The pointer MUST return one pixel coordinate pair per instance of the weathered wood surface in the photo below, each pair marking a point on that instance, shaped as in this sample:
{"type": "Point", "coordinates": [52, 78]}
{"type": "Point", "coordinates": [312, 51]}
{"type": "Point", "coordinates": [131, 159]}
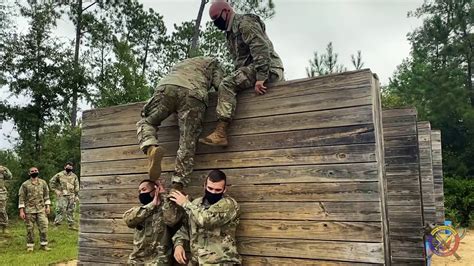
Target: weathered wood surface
{"type": "Point", "coordinates": [305, 162]}
{"type": "Point", "coordinates": [426, 172]}
{"type": "Point", "coordinates": [405, 207]}
{"type": "Point", "coordinates": [438, 175]}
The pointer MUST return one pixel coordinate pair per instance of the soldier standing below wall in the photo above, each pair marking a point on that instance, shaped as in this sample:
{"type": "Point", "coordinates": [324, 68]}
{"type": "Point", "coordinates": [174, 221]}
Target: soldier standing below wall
{"type": "Point", "coordinates": [213, 220]}
{"type": "Point", "coordinates": [183, 91]}
{"type": "Point", "coordinates": [5, 174]}
{"type": "Point", "coordinates": [256, 63]}
{"type": "Point", "coordinates": [65, 185]}
{"type": "Point", "coordinates": [34, 207]}
{"type": "Point", "coordinates": [154, 222]}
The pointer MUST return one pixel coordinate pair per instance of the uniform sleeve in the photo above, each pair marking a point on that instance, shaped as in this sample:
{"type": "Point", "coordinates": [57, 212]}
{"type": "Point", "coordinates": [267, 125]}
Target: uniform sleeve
{"type": "Point", "coordinates": [254, 36]}
{"type": "Point", "coordinates": [76, 186]}
{"type": "Point", "coordinates": [136, 215]}
{"type": "Point", "coordinates": [46, 193]}
{"type": "Point", "coordinates": [172, 213]}
{"type": "Point", "coordinates": [21, 197]}
{"type": "Point", "coordinates": [53, 182]}
{"type": "Point", "coordinates": [217, 75]}
{"type": "Point", "coordinates": [180, 238]}
{"type": "Point", "coordinates": [7, 174]}
{"type": "Point", "coordinates": [217, 215]}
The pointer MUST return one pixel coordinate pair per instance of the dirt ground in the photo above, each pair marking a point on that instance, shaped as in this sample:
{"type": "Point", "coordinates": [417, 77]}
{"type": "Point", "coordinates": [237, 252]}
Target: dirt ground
{"type": "Point", "coordinates": [69, 263]}
{"type": "Point", "coordinates": [465, 250]}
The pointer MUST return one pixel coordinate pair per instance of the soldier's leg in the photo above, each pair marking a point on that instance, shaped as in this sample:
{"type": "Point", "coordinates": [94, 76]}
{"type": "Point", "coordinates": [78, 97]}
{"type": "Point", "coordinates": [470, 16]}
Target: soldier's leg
{"type": "Point", "coordinates": [42, 223]}
{"type": "Point", "coordinates": [190, 118]}
{"type": "Point", "coordinates": [30, 221]}
{"type": "Point", "coordinates": [3, 212]}
{"type": "Point", "coordinates": [157, 109]}
{"type": "Point", "coordinates": [242, 78]}
{"type": "Point", "coordinates": [61, 206]}
{"type": "Point", "coordinates": [71, 204]}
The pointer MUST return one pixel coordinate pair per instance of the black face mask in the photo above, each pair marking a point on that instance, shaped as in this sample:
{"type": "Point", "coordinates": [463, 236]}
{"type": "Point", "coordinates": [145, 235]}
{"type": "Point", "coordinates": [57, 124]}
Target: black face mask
{"type": "Point", "coordinates": [145, 198]}
{"type": "Point", "coordinates": [34, 175]}
{"type": "Point", "coordinates": [220, 22]}
{"type": "Point", "coordinates": [68, 170]}
{"type": "Point", "coordinates": [212, 198]}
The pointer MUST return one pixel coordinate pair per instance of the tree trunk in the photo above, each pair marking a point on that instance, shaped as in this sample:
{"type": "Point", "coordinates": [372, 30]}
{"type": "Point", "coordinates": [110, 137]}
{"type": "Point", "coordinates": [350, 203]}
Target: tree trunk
{"type": "Point", "coordinates": [147, 44]}
{"type": "Point", "coordinates": [75, 90]}
{"type": "Point", "coordinates": [194, 42]}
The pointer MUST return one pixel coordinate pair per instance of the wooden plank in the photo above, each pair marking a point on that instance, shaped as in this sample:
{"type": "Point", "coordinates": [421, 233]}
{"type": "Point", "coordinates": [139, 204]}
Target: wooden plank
{"type": "Point", "coordinates": [426, 172]}
{"type": "Point", "coordinates": [306, 211]}
{"type": "Point", "coordinates": [103, 255]}
{"type": "Point", "coordinates": [367, 191]}
{"type": "Point", "coordinates": [273, 123]}
{"type": "Point", "coordinates": [295, 156]}
{"type": "Point", "coordinates": [357, 172]}
{"type": "Point", "coordinates": [438, 175]}
{"type": "Point", "coordinates": [257, 260]}
{"type": "Point", "coordinates": [313, 249]}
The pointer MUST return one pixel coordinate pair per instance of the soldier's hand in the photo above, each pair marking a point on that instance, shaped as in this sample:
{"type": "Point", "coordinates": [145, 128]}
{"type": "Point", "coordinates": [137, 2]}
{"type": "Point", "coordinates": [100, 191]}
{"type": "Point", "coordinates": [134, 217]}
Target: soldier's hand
{"type": "Point", "coordinates": [260, 88]}
{"type": "Point", "coordinates": [180, 255]}
{"type": "Point", "coordinates": [178, 197]}
{"type": "Point", "coordinates": [47, 209]}
{"type": "Point", "coordinates": [22, 214]}
{"type": "Point", "coordinates": [156, 200]}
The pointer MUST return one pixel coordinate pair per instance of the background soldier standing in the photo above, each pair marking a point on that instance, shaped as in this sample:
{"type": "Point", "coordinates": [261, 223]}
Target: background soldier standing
{"type": "Point", "coordinates": [183, 91]}
{"type": "Point", "coordinates": [66, 186]}
{"type": "Point", "coordinates": [34, 206]}
{"type": "Point", "coordinates": [5, 174]}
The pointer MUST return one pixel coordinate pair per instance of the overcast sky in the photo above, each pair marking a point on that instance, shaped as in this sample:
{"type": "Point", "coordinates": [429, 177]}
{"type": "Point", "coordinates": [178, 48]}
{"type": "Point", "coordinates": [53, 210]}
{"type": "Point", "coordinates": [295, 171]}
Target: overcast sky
{"type": "Point", "coordinates": [376, 27]}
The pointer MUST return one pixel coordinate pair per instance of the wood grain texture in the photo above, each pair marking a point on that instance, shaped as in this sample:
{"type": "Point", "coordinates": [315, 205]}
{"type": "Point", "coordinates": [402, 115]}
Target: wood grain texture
{"type": "Point", "coordinates": [426, 172]}
{"type": "Point", "coordinates": [438, 175]}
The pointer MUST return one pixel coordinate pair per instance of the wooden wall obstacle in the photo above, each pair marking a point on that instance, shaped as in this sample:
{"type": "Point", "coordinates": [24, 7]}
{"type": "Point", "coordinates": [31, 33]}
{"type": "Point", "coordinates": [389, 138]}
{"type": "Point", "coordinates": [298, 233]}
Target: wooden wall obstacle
{"type": "Point", "coordinates": [426, 171]}
{"type": "Point", "coordinates": [305, 161]}
{"type": "Point", "coordinates": [402, 169]}
{"type": "Point", "coordinates": [438, 175]}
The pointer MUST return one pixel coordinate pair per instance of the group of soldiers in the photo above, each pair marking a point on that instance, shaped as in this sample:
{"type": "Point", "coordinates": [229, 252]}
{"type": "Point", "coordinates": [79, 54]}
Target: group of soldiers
{"type": "Point", "coordinates": [200, 231]}
{"type": "Point", "coordinates": [34, 202]}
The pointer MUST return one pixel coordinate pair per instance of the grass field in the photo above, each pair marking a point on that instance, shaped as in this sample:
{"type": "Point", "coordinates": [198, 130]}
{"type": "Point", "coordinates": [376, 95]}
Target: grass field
{"type": "Point", "coordinates": [62, 241]}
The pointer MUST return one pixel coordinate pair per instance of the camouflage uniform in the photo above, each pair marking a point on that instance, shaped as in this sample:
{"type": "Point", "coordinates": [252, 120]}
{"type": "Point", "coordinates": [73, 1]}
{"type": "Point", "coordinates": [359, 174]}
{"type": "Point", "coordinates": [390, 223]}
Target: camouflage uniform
{"type": "Point", "coordinates": [33, 197]}
{"type": "Point", "coordinates": [154, 226]}
{"type": "Point", "coordinates": [254, 60]}
{"type": "Point", "coordinates": [211, 231]}
{"type": "Point", "coordinates": [67, 185]}
{"type": "Point", "coordinates": [183, 91]}
{"type": "Point", "coordinates": [5, 174]}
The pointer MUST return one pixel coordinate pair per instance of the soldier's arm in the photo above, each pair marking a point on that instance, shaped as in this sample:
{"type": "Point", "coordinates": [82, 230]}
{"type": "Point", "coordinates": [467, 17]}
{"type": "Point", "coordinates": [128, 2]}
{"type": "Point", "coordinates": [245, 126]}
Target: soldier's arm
{"type": "Point", "coordinates": [254, 36]}
{"type": "Point", "coordinates": [172, 213]}
{"type": "Point", "coordinates": [21, 197]}
{"type": "Point", "coordinates": [180, 237]}
{"type": "Point", "coordinates": [53, 182]}
{"type": "Point", "coordinates": [217, 215]}
{"type": "Point", "coordinates": [217, 75]}
{"type": "Point", "coordinates": [136, 215]}
{"type": "Point", "coordinates": [76, 185]}
{"type": "Point", "coordinates": [46, 193]}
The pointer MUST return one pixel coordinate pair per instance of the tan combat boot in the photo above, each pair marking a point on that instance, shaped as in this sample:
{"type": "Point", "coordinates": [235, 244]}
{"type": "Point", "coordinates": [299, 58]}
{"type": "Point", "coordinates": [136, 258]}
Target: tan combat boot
{"type": "Point", "coordinates": [155, 155]}
{"type": "Point", "coordinates": [45, 248]}
{"type": "Point", "coordinates": [3, 230]}
{"type": "Point", "coordinates": [30, 247]}
{"type": "Point", "coordinates": [218, 137]}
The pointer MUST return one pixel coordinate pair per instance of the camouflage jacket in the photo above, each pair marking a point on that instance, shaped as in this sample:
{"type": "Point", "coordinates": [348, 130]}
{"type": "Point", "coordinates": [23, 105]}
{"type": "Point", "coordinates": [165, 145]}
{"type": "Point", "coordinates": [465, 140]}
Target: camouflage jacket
{"type": "Point", "coordinates": [5, 174]}
{"type": "Point", "coordinates": [211, 231]}
{"type": "Point", "coordinates": [197, 74]}
{"type": "Point", "coordinates": [154, 226]}
{"type": "Point", "coordinates": [66, 184]}
{"type": "Point", "coordinates": [33, 196]}
{"type": "Point", "coordinates": [248, 43]}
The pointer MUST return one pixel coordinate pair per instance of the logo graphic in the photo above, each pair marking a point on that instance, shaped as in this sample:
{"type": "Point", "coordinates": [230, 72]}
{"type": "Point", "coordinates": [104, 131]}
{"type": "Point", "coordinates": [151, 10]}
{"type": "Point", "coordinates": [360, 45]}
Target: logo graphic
{"type": "Point", "coordinates": [444, 241]}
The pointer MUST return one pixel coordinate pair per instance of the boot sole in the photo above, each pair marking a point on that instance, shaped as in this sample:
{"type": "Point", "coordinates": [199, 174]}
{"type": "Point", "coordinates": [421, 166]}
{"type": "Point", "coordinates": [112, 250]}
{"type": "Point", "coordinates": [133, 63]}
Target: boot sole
{"type": "Point", "coordinates": [154, 171]}
{"type": "Point", "coordinates": [203, 141]}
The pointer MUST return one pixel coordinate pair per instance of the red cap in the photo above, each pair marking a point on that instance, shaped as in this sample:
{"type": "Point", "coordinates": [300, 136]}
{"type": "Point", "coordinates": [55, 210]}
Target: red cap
{"type": "Point", "coordinates": [217, 7]}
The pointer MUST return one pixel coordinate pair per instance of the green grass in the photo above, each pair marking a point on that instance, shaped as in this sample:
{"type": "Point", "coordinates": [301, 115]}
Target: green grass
{"type": "Point", "coordinates": [62, 241]}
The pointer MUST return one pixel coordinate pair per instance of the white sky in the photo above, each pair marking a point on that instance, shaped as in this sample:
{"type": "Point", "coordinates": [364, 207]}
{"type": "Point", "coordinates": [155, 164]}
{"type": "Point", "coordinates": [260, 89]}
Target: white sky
{"type": "Point", "coordinates": [376, 27]}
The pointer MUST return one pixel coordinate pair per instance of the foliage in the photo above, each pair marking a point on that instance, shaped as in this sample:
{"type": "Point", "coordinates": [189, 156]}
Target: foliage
{"type": "Point", "coordinates": [327, 63]}
{"type": "Point", "coordinates": [459, 200]}
{"type": "Point", "coordinates": [62, 241]}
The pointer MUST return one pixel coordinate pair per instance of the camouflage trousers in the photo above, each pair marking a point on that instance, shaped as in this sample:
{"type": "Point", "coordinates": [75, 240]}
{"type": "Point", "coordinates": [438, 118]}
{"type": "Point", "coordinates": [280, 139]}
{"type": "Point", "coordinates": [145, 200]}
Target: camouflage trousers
{"type": "Point", "coordinates": [41, 221]}
{"type": "Point", "coordinates": [241, 79]}
{"type": "Point", "coordinates": [3, 209]}
{"type": "Point", "coordinates": [65, 206]}
{"type": "Point", "coordinates": [169, 99]}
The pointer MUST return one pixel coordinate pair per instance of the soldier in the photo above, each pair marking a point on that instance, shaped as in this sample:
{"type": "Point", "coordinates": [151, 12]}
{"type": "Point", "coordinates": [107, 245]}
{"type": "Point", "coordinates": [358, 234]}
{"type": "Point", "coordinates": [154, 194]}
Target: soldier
{"type": "Point", "coordinates": [66, 186]}
{"type": "Point", "coordinates": [183, 91]}
{"type": "Point", "coordinates": [34, 207]}
{"type": "Point", "coordinates": [5, 174]}
{"type": "Point", "coordinates": [155, 223]}
{"type": "Point", "coordinates": [212, 222]}
{"type": "Point", "coordinates": [255, 61]}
